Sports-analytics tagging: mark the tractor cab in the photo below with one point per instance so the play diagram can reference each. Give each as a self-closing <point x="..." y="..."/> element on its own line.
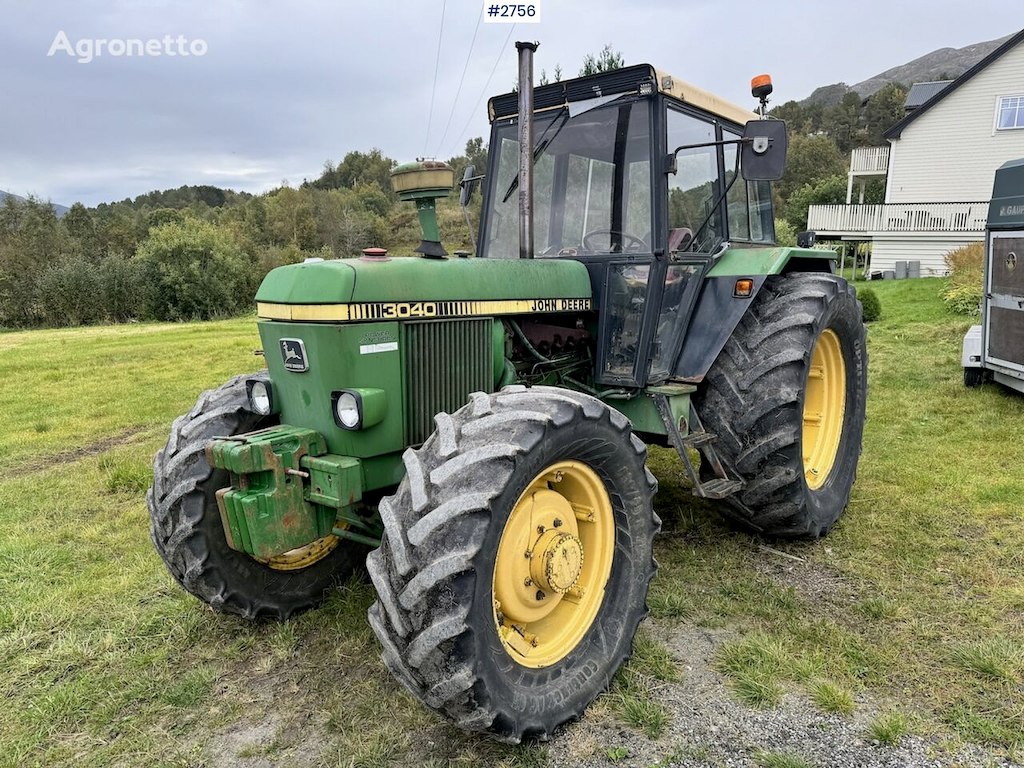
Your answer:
<point x="637" y="175"/>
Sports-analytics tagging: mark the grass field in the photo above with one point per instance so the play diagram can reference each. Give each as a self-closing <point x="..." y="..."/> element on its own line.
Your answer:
<point x="915" y="601"/>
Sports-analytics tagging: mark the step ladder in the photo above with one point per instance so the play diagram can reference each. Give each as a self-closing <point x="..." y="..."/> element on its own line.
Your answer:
<point x="720" y="486"/>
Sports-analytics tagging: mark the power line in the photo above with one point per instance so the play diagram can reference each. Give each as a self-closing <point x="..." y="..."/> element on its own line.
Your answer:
<point x="483" y="91"/>
<point x="458" y="91"/>
<point x="433" y="89"/>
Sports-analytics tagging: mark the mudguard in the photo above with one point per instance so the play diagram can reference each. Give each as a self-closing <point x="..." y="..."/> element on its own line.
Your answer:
<point x="718" y="311"/>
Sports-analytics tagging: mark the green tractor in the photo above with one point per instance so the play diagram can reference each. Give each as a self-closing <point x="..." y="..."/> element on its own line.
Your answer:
<point x="475" y="428"/>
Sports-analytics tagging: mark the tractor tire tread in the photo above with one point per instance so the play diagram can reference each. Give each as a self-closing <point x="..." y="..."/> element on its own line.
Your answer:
<point x="752" y="400"/>
<point x="422" y="614"/>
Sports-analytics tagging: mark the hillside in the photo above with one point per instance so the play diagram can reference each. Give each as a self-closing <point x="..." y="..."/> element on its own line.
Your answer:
<point x="941" y="64"/>
<point x="60" y="209"/>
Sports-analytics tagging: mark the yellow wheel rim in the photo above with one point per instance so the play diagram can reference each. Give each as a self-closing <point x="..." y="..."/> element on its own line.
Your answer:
<point x="553" y="563"/>
<point x="303" y="557"/>
<point x="824" y="408"/>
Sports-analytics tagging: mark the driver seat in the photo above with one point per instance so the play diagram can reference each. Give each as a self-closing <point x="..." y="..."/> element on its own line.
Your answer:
<point x="679" y="238"/>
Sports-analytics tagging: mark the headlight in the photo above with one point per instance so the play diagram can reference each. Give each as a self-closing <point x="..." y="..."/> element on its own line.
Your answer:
<point x="348" y="409"/>
<point x="261" y="399"/>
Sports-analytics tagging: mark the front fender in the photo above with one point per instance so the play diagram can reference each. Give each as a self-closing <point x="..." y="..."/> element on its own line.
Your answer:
<point x="718" y="311"/>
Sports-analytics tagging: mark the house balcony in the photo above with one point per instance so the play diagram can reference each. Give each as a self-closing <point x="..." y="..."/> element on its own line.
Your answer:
<point x="853" y="222"/>
<point x="869" y="161"/>
<point x="866" y="163"/>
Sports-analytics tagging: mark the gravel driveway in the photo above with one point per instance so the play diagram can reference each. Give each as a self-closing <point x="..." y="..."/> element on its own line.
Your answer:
<point x="710" y="727"/>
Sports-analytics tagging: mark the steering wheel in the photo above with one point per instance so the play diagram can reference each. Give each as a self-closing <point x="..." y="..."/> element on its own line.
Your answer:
<point x="635" y="243"/>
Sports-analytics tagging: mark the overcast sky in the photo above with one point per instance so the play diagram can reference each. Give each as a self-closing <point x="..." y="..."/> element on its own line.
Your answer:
<point x="284" y="86"/>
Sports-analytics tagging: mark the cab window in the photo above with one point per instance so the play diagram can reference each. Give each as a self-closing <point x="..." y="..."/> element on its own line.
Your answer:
<point x="748" y="204"/>
<point x="693" y="188"/>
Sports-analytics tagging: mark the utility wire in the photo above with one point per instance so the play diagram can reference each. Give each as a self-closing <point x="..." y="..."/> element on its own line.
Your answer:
<point x="458" y="91"/>
<point x="433" y="89"/>
<point x="483" y="92"/>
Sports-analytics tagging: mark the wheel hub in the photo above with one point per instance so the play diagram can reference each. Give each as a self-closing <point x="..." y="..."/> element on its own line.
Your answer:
<point x="553" y="562"/>
<point x="558" y="566"/>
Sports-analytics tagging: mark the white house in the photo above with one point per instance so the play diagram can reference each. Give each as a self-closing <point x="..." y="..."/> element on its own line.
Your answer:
<point x="938" y="167"/>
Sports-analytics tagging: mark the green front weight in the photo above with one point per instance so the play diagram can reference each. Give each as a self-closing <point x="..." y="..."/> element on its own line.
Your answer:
<point x="286" y="490"/>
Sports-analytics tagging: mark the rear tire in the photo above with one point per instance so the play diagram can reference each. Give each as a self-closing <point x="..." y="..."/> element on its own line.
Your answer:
<point x="186" y="528"/>
<point x="754" y="398"/>
<point x="974" y="377"/>
<point x="443" y="630"/>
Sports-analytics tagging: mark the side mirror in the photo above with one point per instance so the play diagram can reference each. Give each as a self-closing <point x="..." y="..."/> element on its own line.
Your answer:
<point x="467" y="186"/>
<point x="763" y="151"/>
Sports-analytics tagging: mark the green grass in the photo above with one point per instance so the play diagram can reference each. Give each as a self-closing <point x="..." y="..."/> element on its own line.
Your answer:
<point x="918" y="593"/>
<point x="106" y="660"/>
<point x="832" y="698"/>
<point x="888" y="728"/>
<point x="916" y="598"/>
<point x="780" y="760"/>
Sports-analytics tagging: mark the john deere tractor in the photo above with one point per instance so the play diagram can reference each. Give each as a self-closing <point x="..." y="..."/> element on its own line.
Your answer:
<point x="474" y="427"/>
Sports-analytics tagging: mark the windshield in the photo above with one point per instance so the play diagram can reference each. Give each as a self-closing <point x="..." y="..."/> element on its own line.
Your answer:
<point x="592" y="183"/>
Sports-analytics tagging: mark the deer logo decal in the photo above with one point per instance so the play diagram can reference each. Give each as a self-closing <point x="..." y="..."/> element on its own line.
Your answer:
<point x="293" y="351"/>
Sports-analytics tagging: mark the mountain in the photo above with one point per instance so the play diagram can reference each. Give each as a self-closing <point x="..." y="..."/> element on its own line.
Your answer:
<point x="942" y="64"/>
<point x="59" y="209"/>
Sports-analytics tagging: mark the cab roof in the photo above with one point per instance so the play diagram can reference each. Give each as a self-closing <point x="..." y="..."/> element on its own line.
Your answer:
<point x="639" y="78"/>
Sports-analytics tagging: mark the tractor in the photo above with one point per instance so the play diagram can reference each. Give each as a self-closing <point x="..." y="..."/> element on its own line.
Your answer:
<point x="475" y="426"/>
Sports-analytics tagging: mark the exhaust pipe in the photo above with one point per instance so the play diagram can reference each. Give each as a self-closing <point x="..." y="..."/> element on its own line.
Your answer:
<point x="526" y="51"/>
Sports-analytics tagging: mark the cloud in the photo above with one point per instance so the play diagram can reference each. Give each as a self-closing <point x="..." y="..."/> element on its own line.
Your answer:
<point x="284" y="86"/>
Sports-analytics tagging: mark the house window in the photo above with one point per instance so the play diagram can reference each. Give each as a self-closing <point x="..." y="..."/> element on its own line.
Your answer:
<point x="1011" y="113"/>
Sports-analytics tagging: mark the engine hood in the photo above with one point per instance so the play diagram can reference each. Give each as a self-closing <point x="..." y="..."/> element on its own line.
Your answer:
<point x="350" y="290"/>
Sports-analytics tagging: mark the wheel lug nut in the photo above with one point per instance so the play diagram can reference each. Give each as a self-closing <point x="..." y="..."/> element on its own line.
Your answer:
<point x="558" y="522"/>
<point x="527" y="554"/>
<point x="540" y="529"/>
<point x="528" y="583"/>
<point x="540" y="594"/>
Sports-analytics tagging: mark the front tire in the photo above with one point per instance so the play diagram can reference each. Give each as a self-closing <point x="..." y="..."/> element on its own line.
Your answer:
<point x="787" y="398"/>
<point x="186" y="528"/>
<point x="481" y="563"/>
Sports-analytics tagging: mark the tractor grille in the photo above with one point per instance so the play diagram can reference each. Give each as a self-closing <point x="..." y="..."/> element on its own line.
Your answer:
<point x="445" y="361"/>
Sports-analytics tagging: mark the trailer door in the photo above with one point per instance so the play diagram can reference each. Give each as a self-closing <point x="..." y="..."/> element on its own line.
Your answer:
<point x="1004" y="286"/>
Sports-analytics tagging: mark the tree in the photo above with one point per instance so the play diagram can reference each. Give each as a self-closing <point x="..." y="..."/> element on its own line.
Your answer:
<point x="358" y="168"/>
<point x="843" y="122"/>
<point x="827" y="191"/>
<point x="796" y="118"/>
<point x="605" y="61"/>
<point x="79" y="224"/>
<point x="883" y="110"/>
<point x="557" y="76"/>
<point x="290" y="219"/>
<point x="194" y="270"/>
<point x="810" y="159"/>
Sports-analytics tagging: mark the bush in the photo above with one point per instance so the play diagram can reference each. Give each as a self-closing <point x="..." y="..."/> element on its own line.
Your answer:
<point x="195" y="271"/>
<point x="78" y="291"/>
<point x="871" y="305"/>
<point x="785" y="235"/>
<point x="122" y="288"/>
<point x="962" y="293"/>
<point x="71" y="293"/>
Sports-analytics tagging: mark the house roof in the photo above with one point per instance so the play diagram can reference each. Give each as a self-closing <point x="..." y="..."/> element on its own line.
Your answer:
<point x="919" y="93"/>
<point x="897" y="130"/>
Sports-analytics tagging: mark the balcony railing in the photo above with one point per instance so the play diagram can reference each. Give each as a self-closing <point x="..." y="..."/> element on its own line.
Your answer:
<point x="869" y="160"/>
<point x="898" y="217"/>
